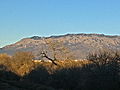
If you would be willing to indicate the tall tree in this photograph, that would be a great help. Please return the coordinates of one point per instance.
(56, 50)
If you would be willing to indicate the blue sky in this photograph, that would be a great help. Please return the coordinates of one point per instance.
(25, 18)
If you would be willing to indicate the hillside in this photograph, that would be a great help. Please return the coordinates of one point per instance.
(80, 44)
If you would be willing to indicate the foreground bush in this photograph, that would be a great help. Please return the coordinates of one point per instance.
(100, 72)
(20, 63)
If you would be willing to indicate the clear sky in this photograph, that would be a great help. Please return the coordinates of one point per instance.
(25, 18)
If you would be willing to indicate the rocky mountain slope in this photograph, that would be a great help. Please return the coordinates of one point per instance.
(80, 44)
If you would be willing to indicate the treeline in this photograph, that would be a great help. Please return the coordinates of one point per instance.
(101, 72)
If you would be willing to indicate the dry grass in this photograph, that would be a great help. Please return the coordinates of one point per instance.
(62, 64)
(21, 63)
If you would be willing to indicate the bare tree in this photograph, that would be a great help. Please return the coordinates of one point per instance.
(56, 50)
(106, 61)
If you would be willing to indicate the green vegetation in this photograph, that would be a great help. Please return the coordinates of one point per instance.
(100, 72)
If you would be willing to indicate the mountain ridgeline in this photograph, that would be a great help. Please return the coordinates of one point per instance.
(81, 45)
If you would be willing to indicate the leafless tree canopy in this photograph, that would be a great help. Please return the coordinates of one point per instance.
(56, 51)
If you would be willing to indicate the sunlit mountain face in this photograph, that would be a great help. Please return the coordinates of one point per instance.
(81, 45)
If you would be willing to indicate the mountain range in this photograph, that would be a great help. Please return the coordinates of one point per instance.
(80, 44)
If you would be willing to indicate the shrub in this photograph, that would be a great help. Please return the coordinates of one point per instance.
(22, 63)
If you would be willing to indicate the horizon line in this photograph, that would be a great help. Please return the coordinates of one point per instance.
(69, 33)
